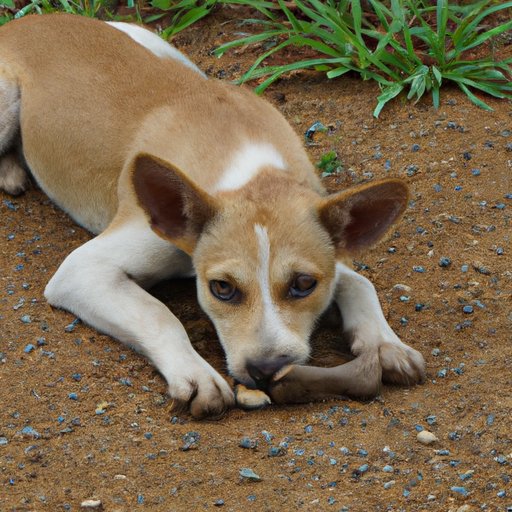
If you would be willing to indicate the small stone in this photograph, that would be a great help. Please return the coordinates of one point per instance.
(250, 475)
(73, 396)
(475, 172)
(28, 348)
(26, 319)
(431, 420)
(3, 441)
(218, 503)
(445, 261)
(387, 469)
(468, 310)
(101, 407)
(426, 437)
(71, 327)
(30, 432)
(419, 269)
(481, 269)
(249, 443)
(91, 504)
(191, 441)
(276, 451)
(460, 490)
(467, 475)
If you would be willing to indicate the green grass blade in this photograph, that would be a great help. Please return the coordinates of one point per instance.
(221, 50)
(473, 98)
(387, 94)
(487, 35)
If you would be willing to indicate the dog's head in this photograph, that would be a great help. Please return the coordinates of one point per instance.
(264, 255)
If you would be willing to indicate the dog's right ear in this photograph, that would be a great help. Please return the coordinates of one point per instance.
(178, 210)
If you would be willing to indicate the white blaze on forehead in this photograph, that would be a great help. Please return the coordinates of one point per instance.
(154, 43)
(247, 162)
(272, 322)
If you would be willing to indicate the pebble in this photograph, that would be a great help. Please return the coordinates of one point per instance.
(467, 475)
(71, 327)
(246, 442)
(191, 441)
(468, 310)
(445, 261)
(431, 420)
(29, 431)
(460, 490)
(91, 504)
(426, 437)
(250, 475)
(3, 441)
(276, 451)
(26, 319)
(28, 348)
(419, 269)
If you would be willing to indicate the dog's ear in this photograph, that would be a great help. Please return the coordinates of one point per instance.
(359, 217)
(178, 210)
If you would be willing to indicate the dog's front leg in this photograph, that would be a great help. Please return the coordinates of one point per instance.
(371, 336)
(98, 283)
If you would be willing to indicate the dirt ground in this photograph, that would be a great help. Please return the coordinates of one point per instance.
(83, 417)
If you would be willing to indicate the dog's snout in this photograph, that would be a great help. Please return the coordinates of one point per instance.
(262, 370)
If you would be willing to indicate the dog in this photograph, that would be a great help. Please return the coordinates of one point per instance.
(181, 175)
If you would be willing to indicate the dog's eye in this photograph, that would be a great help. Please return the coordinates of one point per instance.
(224, 291)
(301, 286)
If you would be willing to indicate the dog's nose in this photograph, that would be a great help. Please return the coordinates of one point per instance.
(262, 370)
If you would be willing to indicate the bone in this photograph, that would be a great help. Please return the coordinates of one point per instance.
(359, 378)
(250, 399)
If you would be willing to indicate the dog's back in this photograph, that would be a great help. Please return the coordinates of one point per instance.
(91, 98)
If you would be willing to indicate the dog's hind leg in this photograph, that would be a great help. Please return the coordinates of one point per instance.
(13, 178)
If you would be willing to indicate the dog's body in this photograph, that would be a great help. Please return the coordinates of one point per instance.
(181, 175)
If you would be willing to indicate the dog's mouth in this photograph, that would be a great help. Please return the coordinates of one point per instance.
(264, 383)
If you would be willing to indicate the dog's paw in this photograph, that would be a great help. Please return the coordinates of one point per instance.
(13, 178)
(401, 364)
(202, 392)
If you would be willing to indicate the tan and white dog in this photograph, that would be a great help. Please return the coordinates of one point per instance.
(179, 175)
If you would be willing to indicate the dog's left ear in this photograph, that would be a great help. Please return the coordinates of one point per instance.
(359, 217)
(177, 208)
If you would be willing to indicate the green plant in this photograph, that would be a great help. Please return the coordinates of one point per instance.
(184, 13)
(329, 163)
(187, 12)
(90, 8)
(404, 45)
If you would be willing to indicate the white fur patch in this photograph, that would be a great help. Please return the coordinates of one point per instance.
(153, 43)
(273, 324)
(247, 162)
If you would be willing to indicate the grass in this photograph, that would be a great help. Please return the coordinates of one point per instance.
(411, 46)
(406, 46)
